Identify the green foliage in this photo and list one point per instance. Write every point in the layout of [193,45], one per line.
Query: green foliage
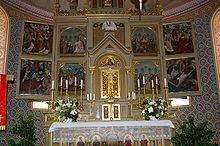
[25,130]
[193,135]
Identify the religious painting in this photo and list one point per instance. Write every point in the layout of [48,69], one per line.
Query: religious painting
[71,75]
[72,41]
[182,75]
[35,77]
[37,39]
[80,141]
[96,140]
[144,72]
[178,38]
[143,40]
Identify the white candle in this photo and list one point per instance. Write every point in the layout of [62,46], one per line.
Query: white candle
[61,81]
[66,84]
[129,95]
[140,2]
[75,81]
[87,97]
[156,80]
[138,83]
[144,80]
[165,82]
[52,86]
[81,84]
[152,83]
[93,96]
[90,95]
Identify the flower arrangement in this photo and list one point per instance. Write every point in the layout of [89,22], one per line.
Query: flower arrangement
[154,109]
[67,110]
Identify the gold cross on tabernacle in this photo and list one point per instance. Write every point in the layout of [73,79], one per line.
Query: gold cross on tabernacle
[1,117]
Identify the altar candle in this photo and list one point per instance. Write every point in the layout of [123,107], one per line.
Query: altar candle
[140,2]
[94,96]
[61,81]
[90,95]
[75,82]
[156,80]
[81,84]
[152,83]
[138,83]
[165,82]
[129,95]
[52,87]
[87,97]
[66,84]
[143,79]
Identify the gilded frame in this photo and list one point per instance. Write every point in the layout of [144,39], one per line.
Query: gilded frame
[144,40]
[72,41]
[69,71]
[34,78]
[37,39]
[150,68]
[178,38]
[182,76]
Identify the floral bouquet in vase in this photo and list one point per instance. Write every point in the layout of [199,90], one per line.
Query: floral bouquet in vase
[154,109]
[67,110]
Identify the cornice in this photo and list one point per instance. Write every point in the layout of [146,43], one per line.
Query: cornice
[184,8]
[32,10]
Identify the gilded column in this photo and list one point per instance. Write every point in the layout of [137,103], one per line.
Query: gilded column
[92,69]
[127,69]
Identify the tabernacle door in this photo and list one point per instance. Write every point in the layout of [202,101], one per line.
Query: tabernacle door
[111,112]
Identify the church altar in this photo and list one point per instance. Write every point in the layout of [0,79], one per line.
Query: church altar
[64,132]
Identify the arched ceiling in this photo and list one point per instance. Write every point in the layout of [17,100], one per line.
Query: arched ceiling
[44,8]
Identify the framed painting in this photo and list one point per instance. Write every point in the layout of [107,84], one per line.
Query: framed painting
[147,70]
[143,40]
[72,41]
[37,39]
[178,38]
[74,73]
[35,77]
[182,75]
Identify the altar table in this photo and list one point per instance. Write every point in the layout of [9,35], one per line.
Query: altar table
[111,131]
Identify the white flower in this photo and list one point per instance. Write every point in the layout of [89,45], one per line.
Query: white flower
[159,107]
[161,113]
[150,110]
[143,112]
[68,104]
[57,108]
[73,112]
[151,103]
[157,115]
[69,120]
[80,116]
[152,117]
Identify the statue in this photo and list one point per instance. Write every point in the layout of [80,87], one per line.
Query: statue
[109,26]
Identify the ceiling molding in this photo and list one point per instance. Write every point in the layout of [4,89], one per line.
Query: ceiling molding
[184,8]
[33,10]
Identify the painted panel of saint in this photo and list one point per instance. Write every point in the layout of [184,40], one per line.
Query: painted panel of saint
[74,73]
[178,38]
[96,141]
[35,77]
[128,140]
[143,40]
[150,69]
[182,75]
[37,39]
[80,141]
[73,42]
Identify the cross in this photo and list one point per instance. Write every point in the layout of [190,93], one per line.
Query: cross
[1,117]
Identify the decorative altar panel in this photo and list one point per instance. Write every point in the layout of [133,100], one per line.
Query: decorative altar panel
[111,131]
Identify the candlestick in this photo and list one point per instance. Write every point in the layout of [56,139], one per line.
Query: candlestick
[52,100]
[157,88]
[81,100]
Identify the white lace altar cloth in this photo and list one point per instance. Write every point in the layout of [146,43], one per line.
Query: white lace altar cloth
[112,130]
